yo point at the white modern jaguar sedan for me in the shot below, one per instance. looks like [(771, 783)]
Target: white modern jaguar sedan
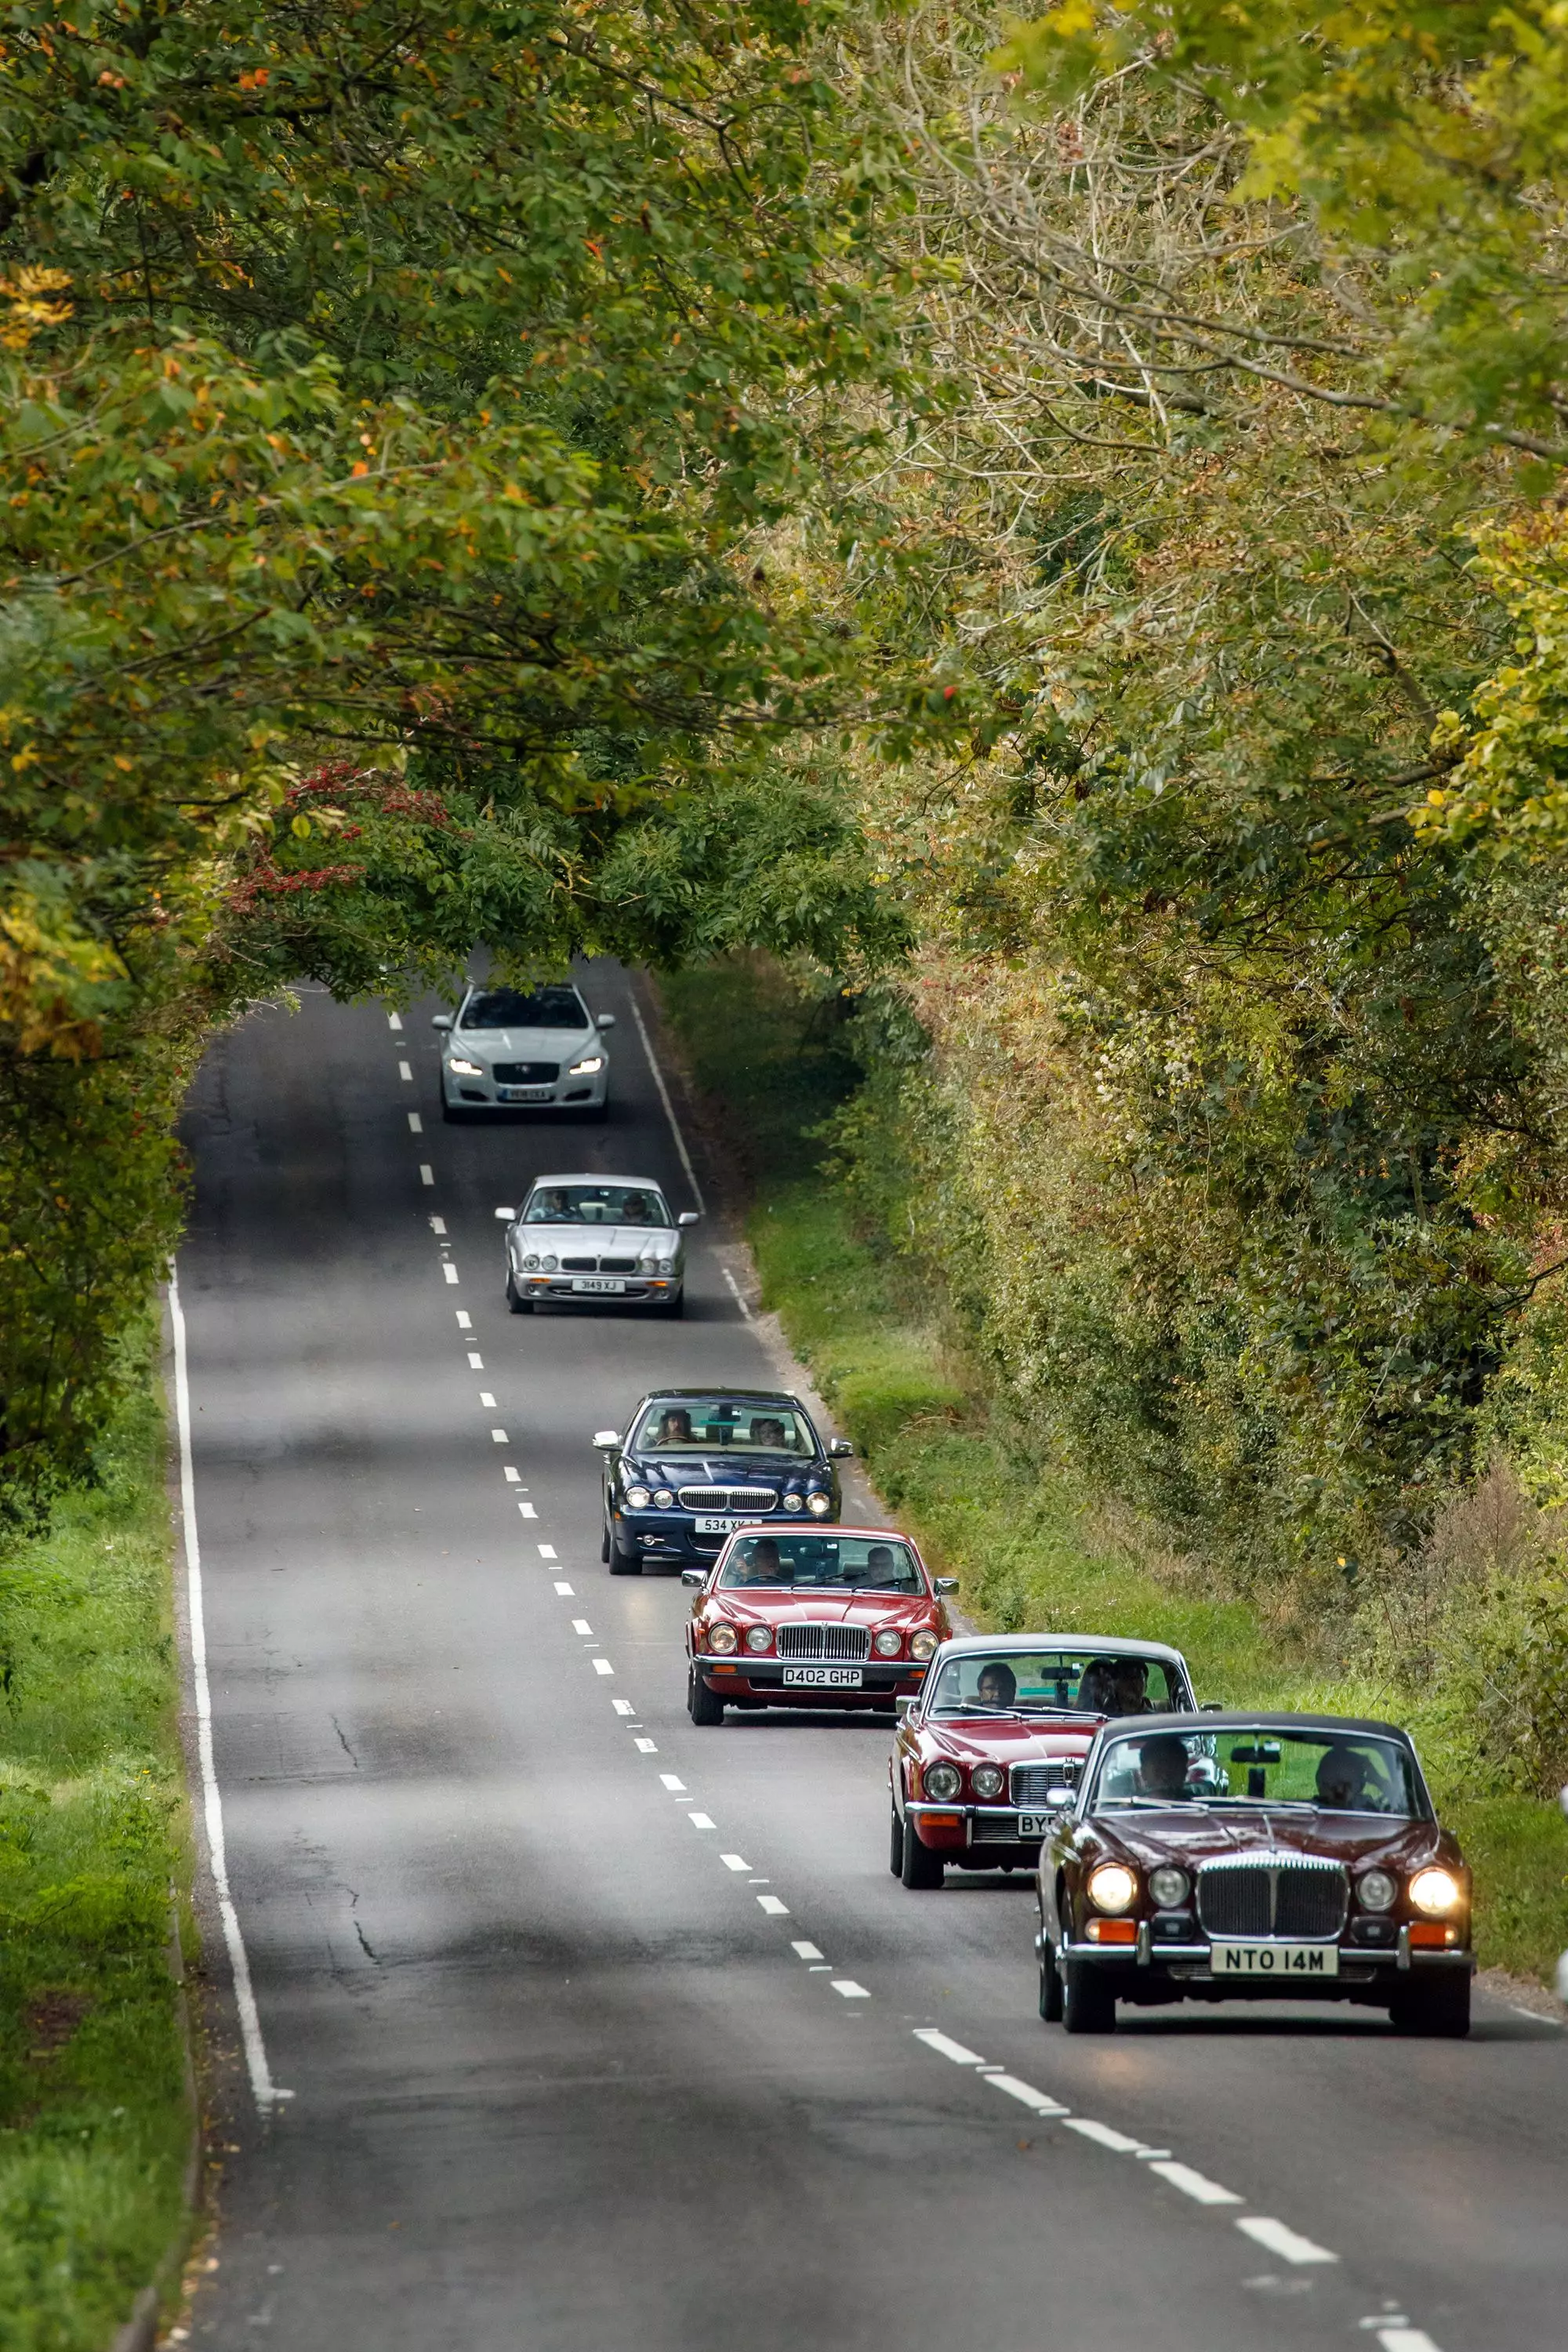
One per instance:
[(582, 1237), (539, 1048)]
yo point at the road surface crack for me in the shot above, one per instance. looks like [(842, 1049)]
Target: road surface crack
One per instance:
[(348, 1751)]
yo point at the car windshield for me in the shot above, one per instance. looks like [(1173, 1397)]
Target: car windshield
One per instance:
[(715, 1424), (1316, 1772), (596, 1204), (1053, 1681), (817, 1563), (518, 1008)]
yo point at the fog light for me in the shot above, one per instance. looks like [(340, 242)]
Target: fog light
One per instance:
[(1112, 1931)]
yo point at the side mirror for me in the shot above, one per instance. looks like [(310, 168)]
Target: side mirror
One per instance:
[(441, 1021), (1058, 1800), (840, 1448), (945, 1583), (606, 1439), (688, 1217), (507, 1216), (905, 1708), (604, 1020), (696, 1577)]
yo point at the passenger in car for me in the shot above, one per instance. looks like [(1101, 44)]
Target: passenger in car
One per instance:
[(1131, 1687), (764, 1565), (769, 1434), (1343, 1783), (1097, 1687), (997, 1685), (675, 1428), (1162, 1768)]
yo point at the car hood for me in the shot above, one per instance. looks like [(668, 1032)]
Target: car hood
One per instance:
[(528, 1044), (1003, 1741), (823, 1608), (1196, 1837), (598, 1241), (728, 1469)]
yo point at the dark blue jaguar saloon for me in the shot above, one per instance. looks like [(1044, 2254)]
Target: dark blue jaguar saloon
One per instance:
[(692, 1465)]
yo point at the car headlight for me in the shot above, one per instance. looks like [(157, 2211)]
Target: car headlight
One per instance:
[(1112, 1887), (923, 1645), (547, 1265), (462, 1069), (1168, 1886), (637, 1498), (792, 1503), (986, 1780), (589, 1067), (664, 1501), (1376, 1890), (531, 1263), (721, 1638), (758, 1638), (819, 1505), (943, 1781), (888, 1643), (1435, 1892)]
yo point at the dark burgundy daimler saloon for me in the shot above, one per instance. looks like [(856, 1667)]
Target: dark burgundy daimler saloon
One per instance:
[(1248, 1857)]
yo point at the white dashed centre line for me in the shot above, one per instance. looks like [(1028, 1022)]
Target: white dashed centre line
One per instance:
[(499, 1437), (513, 1477), (772, 1906), (465, 1320), (547, 1552), (645, 1746), (427, 1173), (849, 1988), (406, 1074), (1025, 2095), (603, 1666), (1406, 2339), (670, 1781), (449, 1272), (395, 1020), (415, 1124), (475, 1362), (1193, 2184), (733, 1861), (578, 1625), (942, 2043), (702, 1820), (806, 1951), (566, 1592), (1281, 2241), (623, 1706), (528, 1510), (437, 1224), (487, 1401)]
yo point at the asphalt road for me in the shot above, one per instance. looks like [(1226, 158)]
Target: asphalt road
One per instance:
[(602, 2032)]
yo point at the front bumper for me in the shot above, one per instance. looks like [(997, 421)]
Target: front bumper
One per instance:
[(974, 1837), (672, 1534), (633, 1287), (881, 1679), (561, 1093), (1153, 1971)]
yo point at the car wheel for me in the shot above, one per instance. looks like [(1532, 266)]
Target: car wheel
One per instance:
[(451, 1114), (1088, 2004), (1439, 2007), (1050, 1982), (624, 1563), (596, 1114), (702, 1705), (895, 1845), (518, 1304), (604, 1540), (918, 1867)]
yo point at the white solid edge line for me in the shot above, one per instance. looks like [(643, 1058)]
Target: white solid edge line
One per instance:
[(1104, 2135), (1283, 2241), (668, 1106), (945, 2047), (1196, 2185), (735, 1291), (262, 2086), (1406, 2339), (1027, 2097)]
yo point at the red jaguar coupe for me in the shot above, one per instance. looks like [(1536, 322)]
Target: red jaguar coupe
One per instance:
[(812, 1617)]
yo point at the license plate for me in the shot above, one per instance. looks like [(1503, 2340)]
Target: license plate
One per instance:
[(1285, 1961), (526, 1093), (822, 1677), (598, 1282), (1035, 1825), (717, 1526)]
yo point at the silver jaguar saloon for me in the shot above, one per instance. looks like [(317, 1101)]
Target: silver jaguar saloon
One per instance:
[(578, 1238), (538, 1048)]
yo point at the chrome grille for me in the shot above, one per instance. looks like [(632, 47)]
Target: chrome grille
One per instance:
[(823, 1641), (1032, 1784), (525, 1074), (617, 1265), (995, 1829), (727, 1498), (579, 1266), (1256, 1895)]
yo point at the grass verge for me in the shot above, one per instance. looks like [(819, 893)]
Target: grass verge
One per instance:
[(95, 2126), (1031, 1548)]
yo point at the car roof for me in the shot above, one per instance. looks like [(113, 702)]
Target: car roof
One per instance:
[(820, 1528), (598, 1176), (1240, 1718), (1104, 1645), (744, 1396)]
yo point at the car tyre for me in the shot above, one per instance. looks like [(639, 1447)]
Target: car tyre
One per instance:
[(895, 1845), (451, 1114), (1050, 1982), (675, 1307), (1089, 2000), (918, 1867), (623, 1563), (702, 1705), (604, 1541), (1438, 2007), (515, 1300)]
